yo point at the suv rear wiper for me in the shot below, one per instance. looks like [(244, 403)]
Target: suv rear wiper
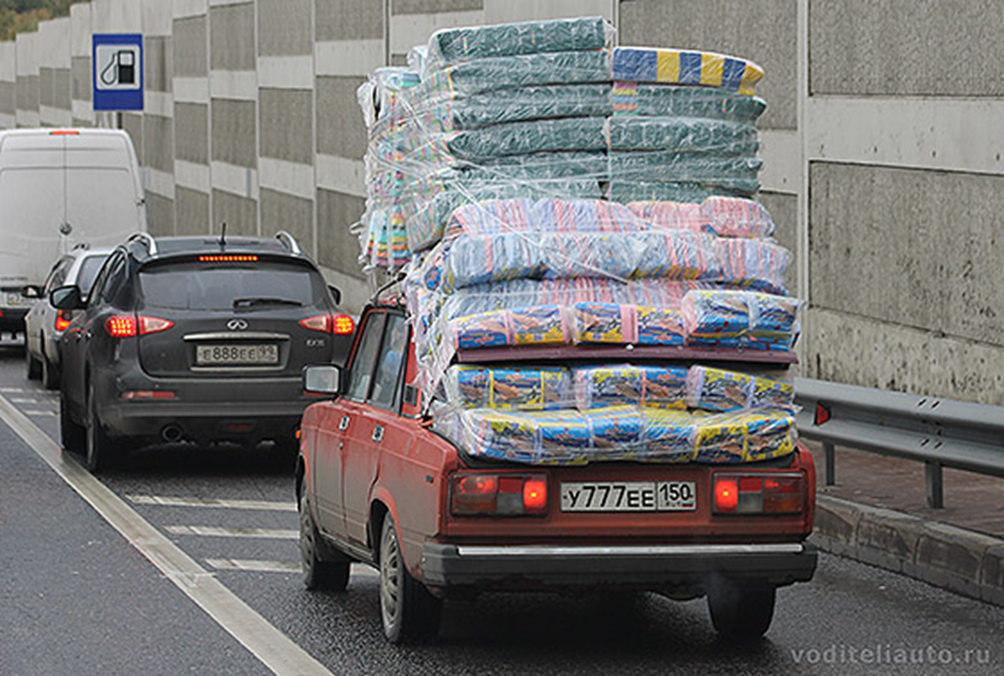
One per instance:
[(254, 302)]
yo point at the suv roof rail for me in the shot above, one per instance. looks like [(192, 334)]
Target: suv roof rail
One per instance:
[(146, 238), (288, 240)]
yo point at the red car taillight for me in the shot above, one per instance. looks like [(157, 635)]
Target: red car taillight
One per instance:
[(481, 494), (745, 493), (63, 318), (340, 325), (128, 326)]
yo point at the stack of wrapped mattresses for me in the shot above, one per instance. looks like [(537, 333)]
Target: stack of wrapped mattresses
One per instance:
[(539, 187)]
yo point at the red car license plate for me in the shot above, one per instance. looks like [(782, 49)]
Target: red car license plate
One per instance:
[(629, 496)]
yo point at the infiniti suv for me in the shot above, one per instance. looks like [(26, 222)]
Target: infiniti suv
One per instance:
[(199, 339)]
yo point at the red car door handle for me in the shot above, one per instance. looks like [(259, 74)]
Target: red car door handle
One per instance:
[(378, 433), (343, 423)]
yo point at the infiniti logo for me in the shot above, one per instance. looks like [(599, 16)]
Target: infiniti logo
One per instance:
[(237, 325)]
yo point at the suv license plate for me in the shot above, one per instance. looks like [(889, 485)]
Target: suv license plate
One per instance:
[(214, 355), (629, 496)]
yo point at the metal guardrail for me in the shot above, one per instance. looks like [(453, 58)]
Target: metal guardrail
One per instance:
[(938, 432)]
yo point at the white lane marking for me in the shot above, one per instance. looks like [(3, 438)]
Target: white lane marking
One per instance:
[(216, 531), (164, 501), (273, 648), (41, 413), (30, 400), (252, 565), (255, 566)]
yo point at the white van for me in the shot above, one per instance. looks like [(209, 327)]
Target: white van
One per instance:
[(60, 188)]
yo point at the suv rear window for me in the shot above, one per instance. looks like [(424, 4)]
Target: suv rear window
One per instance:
[(230, 286), (89, 271)]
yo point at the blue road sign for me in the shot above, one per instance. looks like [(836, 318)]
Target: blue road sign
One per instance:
[(117, 71)]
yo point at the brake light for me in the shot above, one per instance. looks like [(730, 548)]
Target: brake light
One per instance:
[(128, 326), (479, 494), (64, 132), (339, 325), (121, 326), (145, 395), (343, 325), (772, 493), (63, 318), (228, 258)]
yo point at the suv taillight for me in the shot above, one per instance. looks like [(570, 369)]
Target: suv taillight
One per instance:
[(764, 493), (63, 318), (338, 324), (489, 494), (128, 326)]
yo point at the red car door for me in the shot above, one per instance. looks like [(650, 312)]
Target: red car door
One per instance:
[(361, 457), (339, 428)]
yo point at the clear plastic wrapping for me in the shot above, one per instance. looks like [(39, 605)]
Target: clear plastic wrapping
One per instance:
[(542, 188)]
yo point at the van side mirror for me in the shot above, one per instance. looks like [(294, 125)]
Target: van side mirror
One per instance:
[(322, 378), (66, 298), (32, 291)]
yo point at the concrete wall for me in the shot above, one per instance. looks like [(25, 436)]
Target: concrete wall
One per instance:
[(883, 166)]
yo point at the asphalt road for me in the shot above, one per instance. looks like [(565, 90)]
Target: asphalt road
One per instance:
[(80, 598)]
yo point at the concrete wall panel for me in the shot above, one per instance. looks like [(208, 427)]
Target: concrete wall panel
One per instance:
[(157, 60), (434, 6), (764, 31), (234, 132), (160, 213), (348, 20), (860, 350), (909, 247), (287, 124), (191, 211), (80, 74), (337, 248), (191, 122), (232, 37), (8, 98), (239, 213), (190, 48), (132, 123), (46, 86), (62, 86), (285, 28), (340, 127), (295, 215), (158, 140), (880, 47)]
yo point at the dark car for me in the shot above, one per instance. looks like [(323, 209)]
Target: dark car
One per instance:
[(195, 338)]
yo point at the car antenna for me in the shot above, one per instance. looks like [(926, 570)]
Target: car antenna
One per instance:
[(223, 235)]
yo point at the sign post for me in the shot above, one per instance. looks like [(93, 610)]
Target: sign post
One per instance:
[(117, 71)]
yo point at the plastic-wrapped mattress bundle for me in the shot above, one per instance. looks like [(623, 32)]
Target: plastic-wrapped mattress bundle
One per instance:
[(740, 319), (619, 433)]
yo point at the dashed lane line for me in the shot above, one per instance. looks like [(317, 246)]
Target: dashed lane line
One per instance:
[(231, 532), (169, 501), (273, 648)]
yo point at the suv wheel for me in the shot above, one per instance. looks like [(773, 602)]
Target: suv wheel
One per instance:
[(70, 432), (318, 573), (741, 610), (102, 451), (407, 608)]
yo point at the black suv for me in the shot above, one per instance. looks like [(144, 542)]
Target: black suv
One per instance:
[(195, 338)]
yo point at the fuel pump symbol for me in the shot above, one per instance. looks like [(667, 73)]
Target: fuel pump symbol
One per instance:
[(121, 69)]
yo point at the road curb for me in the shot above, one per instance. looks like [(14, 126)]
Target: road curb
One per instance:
[(953, 558)]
